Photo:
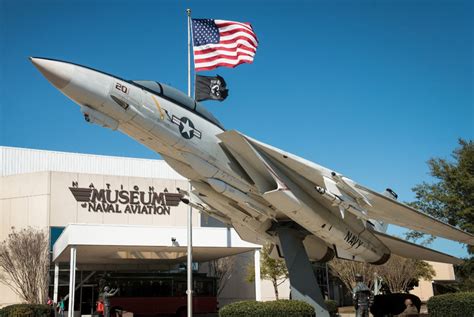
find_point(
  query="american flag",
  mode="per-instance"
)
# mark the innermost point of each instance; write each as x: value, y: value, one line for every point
x: 222, y: 43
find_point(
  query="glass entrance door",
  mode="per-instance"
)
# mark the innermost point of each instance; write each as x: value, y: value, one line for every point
x: 88, y: 298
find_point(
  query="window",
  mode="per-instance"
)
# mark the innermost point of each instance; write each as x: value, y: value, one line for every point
x: 149, y: 85
x: 54, y: 233
x: 178, y: 97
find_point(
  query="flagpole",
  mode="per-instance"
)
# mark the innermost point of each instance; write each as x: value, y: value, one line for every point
x: 188, y: 12
x: 190, y: 210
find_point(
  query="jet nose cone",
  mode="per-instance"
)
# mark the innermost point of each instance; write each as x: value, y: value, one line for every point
x: 58, y: 73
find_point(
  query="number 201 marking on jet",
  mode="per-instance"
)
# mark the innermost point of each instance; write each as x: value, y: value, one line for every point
x: 121, y: 88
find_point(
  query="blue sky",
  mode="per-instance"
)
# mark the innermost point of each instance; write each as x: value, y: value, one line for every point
x: 372, y: 89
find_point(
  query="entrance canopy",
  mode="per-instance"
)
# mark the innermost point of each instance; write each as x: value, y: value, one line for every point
x: 130, y: 245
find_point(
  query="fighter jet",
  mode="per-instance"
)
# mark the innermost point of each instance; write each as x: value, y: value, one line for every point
x: 253, y: 187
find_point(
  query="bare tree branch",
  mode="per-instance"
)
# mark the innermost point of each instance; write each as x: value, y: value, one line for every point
x: 347, y: 270
x: 222, y: 269
x: 24, y: 257
x: 397, y: 273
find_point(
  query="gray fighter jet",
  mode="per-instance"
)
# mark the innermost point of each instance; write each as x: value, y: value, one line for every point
x: 261, y: 191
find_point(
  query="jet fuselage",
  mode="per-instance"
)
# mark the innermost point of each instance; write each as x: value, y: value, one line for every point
x: 186, y: 135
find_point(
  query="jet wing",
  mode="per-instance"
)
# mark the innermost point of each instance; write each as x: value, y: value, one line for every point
x: 392, y: 211
x: 377, y: 206
x: 413, y: 251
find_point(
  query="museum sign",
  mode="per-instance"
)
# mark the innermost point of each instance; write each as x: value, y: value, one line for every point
x: 136, y: 201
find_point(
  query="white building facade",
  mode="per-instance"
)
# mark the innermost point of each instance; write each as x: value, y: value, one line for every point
x: 125, y: 215
x: 119, y: 214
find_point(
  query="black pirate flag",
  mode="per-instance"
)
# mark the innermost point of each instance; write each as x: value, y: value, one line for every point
x: 210, y: 88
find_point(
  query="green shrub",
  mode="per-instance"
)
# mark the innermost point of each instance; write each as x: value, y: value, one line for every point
x: 242, y: 308
x: 451, y: 305
x: 26, y: 310
x: 331, y: 305
x: 291, y: 308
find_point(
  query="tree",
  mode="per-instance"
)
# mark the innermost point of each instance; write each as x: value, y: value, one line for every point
x: 347, y: 270
x: 24, y: 259
x: 397, y: 274
x: 271, y: 269
x: 222, y: 269
x: 465, y: 275
x: 451, y: 197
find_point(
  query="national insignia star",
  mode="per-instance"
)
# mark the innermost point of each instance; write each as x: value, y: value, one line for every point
x: 186, y: 127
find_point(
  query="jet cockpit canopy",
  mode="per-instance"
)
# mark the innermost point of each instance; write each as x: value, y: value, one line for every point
x: 178, y: 97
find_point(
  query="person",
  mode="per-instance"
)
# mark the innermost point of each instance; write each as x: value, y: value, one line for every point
x: 361, y: 296
x: 106, y: 299
x: 61, y: 307
x: 49, y: 302
x: 410, y: 310
x: 100, y: 307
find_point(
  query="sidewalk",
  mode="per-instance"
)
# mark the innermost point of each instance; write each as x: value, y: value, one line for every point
x: 348, y: 311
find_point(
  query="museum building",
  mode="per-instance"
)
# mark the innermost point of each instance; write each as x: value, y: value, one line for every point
x: 120, y: 221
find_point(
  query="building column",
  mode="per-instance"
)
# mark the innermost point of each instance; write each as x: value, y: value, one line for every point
x: 56, y: 282
x: 72, y: 281
x: 258, y: 281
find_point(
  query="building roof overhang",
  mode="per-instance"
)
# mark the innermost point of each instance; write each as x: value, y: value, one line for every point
x: 98, y: 244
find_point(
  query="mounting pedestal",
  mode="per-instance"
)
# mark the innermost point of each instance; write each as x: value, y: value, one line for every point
x: 304, y: 285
